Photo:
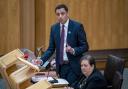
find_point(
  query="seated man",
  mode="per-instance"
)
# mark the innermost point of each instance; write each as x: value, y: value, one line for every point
x: 91, y: 77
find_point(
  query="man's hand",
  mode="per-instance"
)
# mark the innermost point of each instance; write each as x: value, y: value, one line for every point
x: 37, y: 61
x: 53, y: 64
x: 70, y: 49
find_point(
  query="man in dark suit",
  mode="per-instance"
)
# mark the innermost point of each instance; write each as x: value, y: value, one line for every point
x: 69, y: 47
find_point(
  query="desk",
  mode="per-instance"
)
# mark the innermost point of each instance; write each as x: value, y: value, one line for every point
x: 43, y: 84
x: 58, y: 88
x: 43, y: 76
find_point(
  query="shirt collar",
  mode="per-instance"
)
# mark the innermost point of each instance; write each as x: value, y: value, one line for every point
x: 66, y: 24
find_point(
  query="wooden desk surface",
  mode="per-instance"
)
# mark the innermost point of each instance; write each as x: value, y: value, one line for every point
x: 59, y: 88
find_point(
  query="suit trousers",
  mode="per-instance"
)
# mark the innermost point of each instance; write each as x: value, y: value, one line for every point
x: 67, y: 73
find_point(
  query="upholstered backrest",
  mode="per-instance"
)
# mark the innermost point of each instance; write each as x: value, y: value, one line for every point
x: 113, y: 64
x: 117, y: 80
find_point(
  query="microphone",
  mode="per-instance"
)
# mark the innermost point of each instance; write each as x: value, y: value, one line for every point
x: 40, y: 50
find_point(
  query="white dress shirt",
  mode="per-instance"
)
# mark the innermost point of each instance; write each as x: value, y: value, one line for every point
x: 65, y: 58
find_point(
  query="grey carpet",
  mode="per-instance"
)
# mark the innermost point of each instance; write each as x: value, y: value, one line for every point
x: 2, y: 84
x: 125, y: 79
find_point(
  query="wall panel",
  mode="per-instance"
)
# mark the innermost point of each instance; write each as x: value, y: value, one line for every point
x: 9, y: 25
x: 26, y: 23
x: 104, y: 20
x: 40, y: 32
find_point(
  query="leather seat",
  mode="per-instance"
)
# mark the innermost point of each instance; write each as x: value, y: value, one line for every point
x: 117, y: 80
x: 113, y: 64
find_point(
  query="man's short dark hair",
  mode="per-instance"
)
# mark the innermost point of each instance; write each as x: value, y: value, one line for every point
x: 61, y: 6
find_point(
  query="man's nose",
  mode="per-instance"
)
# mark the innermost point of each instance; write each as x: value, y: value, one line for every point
x: 60, y: 15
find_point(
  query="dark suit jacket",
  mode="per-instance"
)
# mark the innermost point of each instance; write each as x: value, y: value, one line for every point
x: 95, y: 81
x: 76, y: 38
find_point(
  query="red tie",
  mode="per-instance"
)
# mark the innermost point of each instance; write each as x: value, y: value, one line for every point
x: 62, y: 44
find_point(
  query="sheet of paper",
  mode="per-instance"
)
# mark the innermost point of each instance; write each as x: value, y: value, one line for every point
x: 38, y: 78
x: 61, y: 81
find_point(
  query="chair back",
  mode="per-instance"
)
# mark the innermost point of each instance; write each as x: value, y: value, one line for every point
x: 113, y: 64
x: 117, y: 81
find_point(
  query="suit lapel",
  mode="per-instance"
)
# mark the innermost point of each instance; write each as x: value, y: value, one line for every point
x: 58, y: 34
x: 70, y: 27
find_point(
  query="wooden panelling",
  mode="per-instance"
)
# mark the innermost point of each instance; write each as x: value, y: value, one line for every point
x: 105, y: 21
x: 13, y: 31
x: 40, y: 32
x: 3, y: 24
x: 17, y: 25
x: 9, y: 25
x: 27, y: 24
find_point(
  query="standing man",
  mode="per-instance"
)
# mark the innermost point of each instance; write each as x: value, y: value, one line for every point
x: 68, y: 38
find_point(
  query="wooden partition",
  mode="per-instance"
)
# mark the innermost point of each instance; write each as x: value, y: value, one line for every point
x: 105, y: 21
x: 26, y: 23
x: 9, y: 25
x: 40, y: 22
x: 17, y: 25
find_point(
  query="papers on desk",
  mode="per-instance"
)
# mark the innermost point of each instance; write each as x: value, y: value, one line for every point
x: 61, y: 82
x: 38, y: 78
